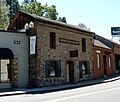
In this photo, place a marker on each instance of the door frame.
(70, 71)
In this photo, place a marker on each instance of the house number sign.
(16, 42)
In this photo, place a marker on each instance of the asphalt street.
(105, 92)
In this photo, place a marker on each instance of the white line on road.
(80, 95)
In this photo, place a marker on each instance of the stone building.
(63, 52)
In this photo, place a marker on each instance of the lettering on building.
(68, 41)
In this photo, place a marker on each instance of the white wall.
(7, 40)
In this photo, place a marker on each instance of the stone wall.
(62, 51)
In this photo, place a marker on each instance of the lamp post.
(29, 27)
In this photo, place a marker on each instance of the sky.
(98, 15)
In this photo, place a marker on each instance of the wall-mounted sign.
(115, 30)
(74, 53)
(68, 41)
(32, 44)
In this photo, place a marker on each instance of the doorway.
(104, 65)
(70, 71)
(8, 68)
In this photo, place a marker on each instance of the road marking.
(80, 95)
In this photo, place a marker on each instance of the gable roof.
(100, 44)
(29, 17)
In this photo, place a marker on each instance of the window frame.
(57, 69)
(83, 45)
(52, 40)
(109, 61)
(98, 61)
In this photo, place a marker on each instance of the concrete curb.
(56, 88)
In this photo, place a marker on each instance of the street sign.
(115, 30)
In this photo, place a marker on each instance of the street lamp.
(29, 27)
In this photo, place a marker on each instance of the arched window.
(98, 60)
(109, 59)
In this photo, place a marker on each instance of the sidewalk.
(19, 91)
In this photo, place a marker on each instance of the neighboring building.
(13, 59)
(116, 50)
(63, 52)
(103, 60)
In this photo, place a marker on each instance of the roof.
(43, 19)
(100, 44)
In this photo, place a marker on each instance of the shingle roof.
(55, 22)
(100, 44)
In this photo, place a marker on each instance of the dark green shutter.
(47, 68)
(80, 68)
(58, 68)
(88, 67)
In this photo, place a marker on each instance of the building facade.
(103, 60)
(13, 59)
(116, 50)
(63, 52)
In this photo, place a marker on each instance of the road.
(106, 92)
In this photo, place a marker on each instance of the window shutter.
(58, 68)
(80, 69)
(47, 68)
(88, 67)
(80, 66)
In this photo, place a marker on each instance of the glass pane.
(4, 70)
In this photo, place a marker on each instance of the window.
(98, 60)
(53, 68)
(52, 40)
(5, 70)
(84, 68)
(83, 44)
(109, 62)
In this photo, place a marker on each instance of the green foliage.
(37, 8)
(4, 20)
(14, 7)
(34, 8)
(62, 19)
(83, 26)
(51, 12)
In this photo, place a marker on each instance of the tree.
(51, 12)
(13, 8)
(4, 20)
(37, 8)
(62, 19)
(34, 8)
(83, 26)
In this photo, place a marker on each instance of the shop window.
(53, 68)
(98, 60)
(52, 40)
(83, 44)
(5, 70)
(84, 68)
